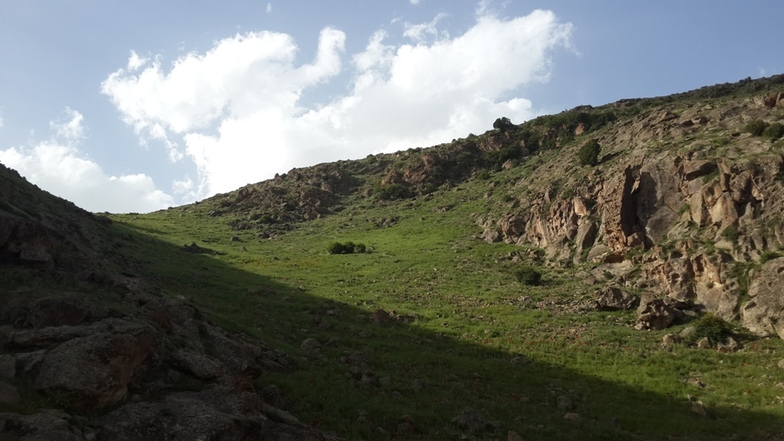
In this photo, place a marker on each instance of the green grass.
(470, 334)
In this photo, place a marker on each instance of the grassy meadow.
(462, 333)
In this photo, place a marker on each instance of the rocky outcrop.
(764, 313)
(687, 219)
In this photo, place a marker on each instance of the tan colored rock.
(764, 313)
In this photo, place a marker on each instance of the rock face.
(690, 222)
(764, 313)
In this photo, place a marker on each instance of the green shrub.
(756, 127)
(529, 276)
(346, 248)
(774, 131)
(714, 328)
(768, 255)
(503, 124)
(393, 191)
(589, 153)
(731, 233)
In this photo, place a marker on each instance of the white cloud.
(235, 111)
(414, 2)
(57, 165)
(419, 32)
(269, 8)
(135, 61)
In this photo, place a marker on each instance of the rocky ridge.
(117, 359)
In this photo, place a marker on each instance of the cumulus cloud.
(58, 166)
(236, 111)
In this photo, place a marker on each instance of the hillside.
(512, 286)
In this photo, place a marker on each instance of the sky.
(138, 106)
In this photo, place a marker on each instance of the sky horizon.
(136, 107)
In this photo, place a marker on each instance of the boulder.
(94, 371)
(654, 313)
(45, 426)
(611, 298)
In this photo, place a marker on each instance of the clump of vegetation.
(346, 248)
(589, 153)
(392, 192)
(503, 124)
(768, 255)
(731, 233)
(529, 276)
(756, 127)
(714, 328)
(774, 131)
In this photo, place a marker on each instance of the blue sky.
(136, 106)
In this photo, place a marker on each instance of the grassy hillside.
(462, 332)
(434, 333)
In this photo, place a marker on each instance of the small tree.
(503, 124)
(589, 153)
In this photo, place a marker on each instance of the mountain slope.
(498, 293)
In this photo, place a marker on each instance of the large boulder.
(611, 298)
(95, 370)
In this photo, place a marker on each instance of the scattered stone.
(513, 436)
(781, 364)
(564, 403)
(381, 317)
(471, 421)
(699, 408)
(687, 332)
(670, 339)
(310, 347)
(572, 416)
(704, 343)
(729, 345)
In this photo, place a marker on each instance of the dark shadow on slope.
(375, 377)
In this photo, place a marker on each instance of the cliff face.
(684, 204)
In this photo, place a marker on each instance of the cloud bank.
(236, 111)
(57, 165)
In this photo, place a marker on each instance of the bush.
(393, 191)
(714, 328)
(756, 127)
(774, 131)
(529, 276)
(731, 233)
(589, 153)
(768, 255)
(346, 248)
(503, 124)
